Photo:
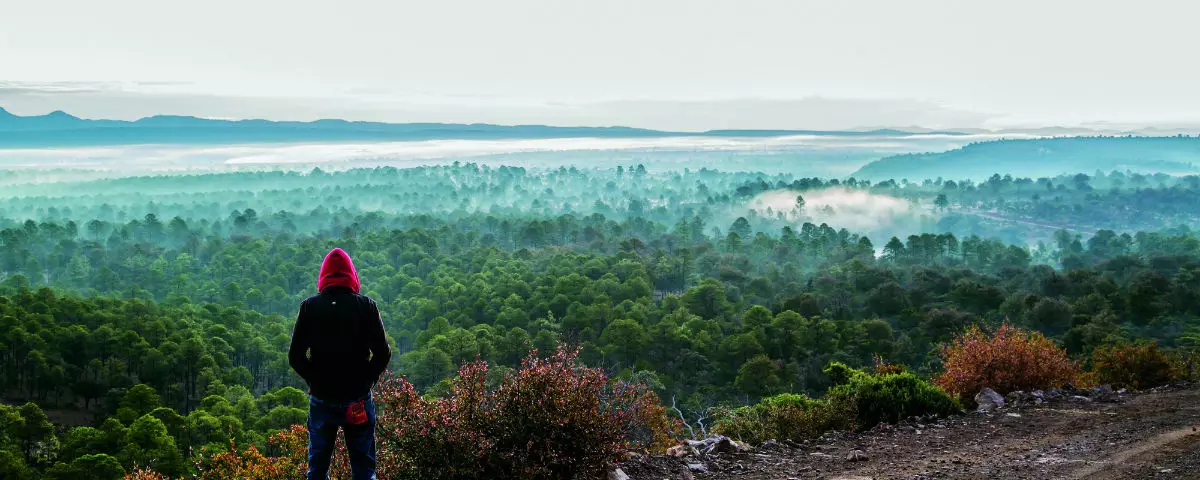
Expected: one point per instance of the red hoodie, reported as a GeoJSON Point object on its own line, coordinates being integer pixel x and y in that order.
{"type": "Point", "coordinates": [338, 271]}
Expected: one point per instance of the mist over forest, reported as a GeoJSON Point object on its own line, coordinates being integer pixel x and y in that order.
{"type": "Point", "coordinates": [148, 291]}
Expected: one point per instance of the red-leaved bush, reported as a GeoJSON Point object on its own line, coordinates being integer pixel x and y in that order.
{"type": "Point", "coordinates": [552, 419]}
{"type": "Point", "coordinates": [1007, 360]}
{"type": "Point", "coordinates": [144, 474]}
{"type": "Point", "coordinates": [1136, 366]}
{"type": "Point", "coordinates": [882, 367]}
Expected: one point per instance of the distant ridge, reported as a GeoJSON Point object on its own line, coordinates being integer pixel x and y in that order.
{"type": "Point", "coordinates": [60, 129]}
{"type": "Point", "coordinates": [1044, 157]}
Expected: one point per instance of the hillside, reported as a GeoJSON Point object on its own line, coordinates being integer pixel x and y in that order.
{"type": "Point", "coordinates": [1043, 157]}
{"type": "Point", "coordinates": [59, 128]}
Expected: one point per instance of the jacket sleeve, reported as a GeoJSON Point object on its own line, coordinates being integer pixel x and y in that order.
{"type": "Point", "coordinates": [381, 353]}
{"type": "Point", "coordinates": [298, 351]}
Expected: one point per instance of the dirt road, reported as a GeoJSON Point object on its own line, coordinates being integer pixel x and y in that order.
{"type": "Point", "coordinates": [1150, 435]}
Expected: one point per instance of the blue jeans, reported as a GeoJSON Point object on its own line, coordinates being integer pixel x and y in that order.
{"type": "Point", "coordinates": [324, 419]}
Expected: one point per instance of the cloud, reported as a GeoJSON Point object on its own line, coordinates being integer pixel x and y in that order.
{"type": "Point", "coordinates": [855, 210]}
{"type": "Point", "coordinates": [168, 157]}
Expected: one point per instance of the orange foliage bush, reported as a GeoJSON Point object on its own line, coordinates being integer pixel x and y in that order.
{"type": "Point", "coordinates": [552, 419]}
{"type": "Point", "coordinates": [884, 368]}
{"type": "Point", "coordinates": [144, 474]}
{"type": "Point", "coordinates": [288, 462]}
{"type": "Point", "coordinates": [1007, 360]}
{"type": "Point", "coordinates": [1137, 366]}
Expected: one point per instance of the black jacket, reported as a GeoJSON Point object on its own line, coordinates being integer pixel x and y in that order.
{"type": "Point", "coordinates": [338, 345]}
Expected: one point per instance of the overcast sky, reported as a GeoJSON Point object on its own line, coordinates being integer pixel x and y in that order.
{"type": "Point", "coordinates": [672, 64]}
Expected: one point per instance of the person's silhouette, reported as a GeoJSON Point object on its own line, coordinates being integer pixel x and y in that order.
{"type": "Point", "coordinates": [340, 349]}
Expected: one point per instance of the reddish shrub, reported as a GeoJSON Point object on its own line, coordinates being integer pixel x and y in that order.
{"type": "Point", "coordinates": [1009, 359]}
{"type": "Point", "coordinates": [289, 462]}
{"type": "Point", "coordinates": [556, 419]}
{"type": "Point", "coordinates": [1137, 366]}
{"type": "Point", "coordinates": [552, 419]}
{"type": "Point", "coordinates": [884, 368]}
{"type": "Point", "coordinates": [143, 474]}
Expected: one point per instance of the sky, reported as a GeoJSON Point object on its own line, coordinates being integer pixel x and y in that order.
{"type": "Point", "coordinates": [667, 64]}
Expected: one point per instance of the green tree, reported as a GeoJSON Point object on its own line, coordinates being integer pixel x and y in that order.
{"type": "Point", "coordinates": [33, 431]}
{"type": "Point", "coordinates": [149, 445]}
{"type": "Point", "coordinates": [624, 341]}
{"type": "Point", "coordinates": [759, 377]}
{"type": "Point", "coordinates": [87, 467]}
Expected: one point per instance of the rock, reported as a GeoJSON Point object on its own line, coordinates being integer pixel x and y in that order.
{"type": "Point", "coordinates": [856, 456]}
{"type": "Point", "coordinates": [1104, 393]}
{"type": "Point", "coordinates": [719, 444]}
{"type": "Point", "coordinates": [1021, 397]}
{"type": "Point", "coordinates": [697, 467]}
{"type": "Point", "coordinates": [681, 451]}
{"type": "Point", "coordinates": [1079, 399]}
{"type": "Point", "coordinates": [617, 474]}
{"type": "Point", "coordinates": [724, 445]}
{"type": "Point", "coordinates": [988, 400]}
{"type": "Point", "coordinates": [631, 455]}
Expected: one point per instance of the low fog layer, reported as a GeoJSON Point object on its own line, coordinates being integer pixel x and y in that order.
{"type": "Point", "coordinates": [335, 155]}
{"type": "Point", "coordinates": [878, 216]}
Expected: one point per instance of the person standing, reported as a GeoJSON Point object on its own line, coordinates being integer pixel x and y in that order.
{"type": "Point", "coordinates": [339, 348]}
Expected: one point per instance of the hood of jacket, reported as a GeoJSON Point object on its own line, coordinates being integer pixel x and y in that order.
{"type": "Point", "coordinates": [338, 271]}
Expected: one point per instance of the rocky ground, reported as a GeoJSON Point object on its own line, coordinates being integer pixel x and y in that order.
{"type": "Point", "coordinates": [1134, 436]}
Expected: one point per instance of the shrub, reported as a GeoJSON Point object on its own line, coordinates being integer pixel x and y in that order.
{"type": "Point", "coordinates": [290, 461]}
{"type": "Point", "coordinates": [552, 419]}
{"type": "Point", "coordinates": [785, 416]}
{"type": "Point", "coordinates": [884, 368]}
{"type": "Point", "coordinates": [145, 474]}
{"type": "Point", "coordinates": [1007, 360]}
{"type": "Point", "coordinates": [1183, 364]}
{"type": "Point", "coordinates": [1137, 366]}
{"type": "Point", "coordinates": [857, 400]}
{"type": "Point", "coordinates": [889, 397]}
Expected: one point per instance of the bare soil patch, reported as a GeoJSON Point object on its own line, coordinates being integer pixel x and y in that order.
{"type": "Point", "coordinates": [1147, 435]}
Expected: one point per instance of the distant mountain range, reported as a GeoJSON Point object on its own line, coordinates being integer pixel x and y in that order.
{"type": "Point", "coordinates": [60, 129]}
{"type": "Point", "coordinates": [1043, 157]}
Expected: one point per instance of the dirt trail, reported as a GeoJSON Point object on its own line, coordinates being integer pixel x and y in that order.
{"type": "Point", "coordinates": [1148, 449]}
{"type": "Point", "coordinates": [1150, 435]}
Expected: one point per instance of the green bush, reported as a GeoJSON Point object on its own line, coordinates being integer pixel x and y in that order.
{"type": "Point", "coordinates": [888, 398]}
{"type": "Point", "coordinates": [857, 400]}
{"type": "Point", "coordinates": [1137, 366]}
{"type": "Point", "coordinates": [785, 416]}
